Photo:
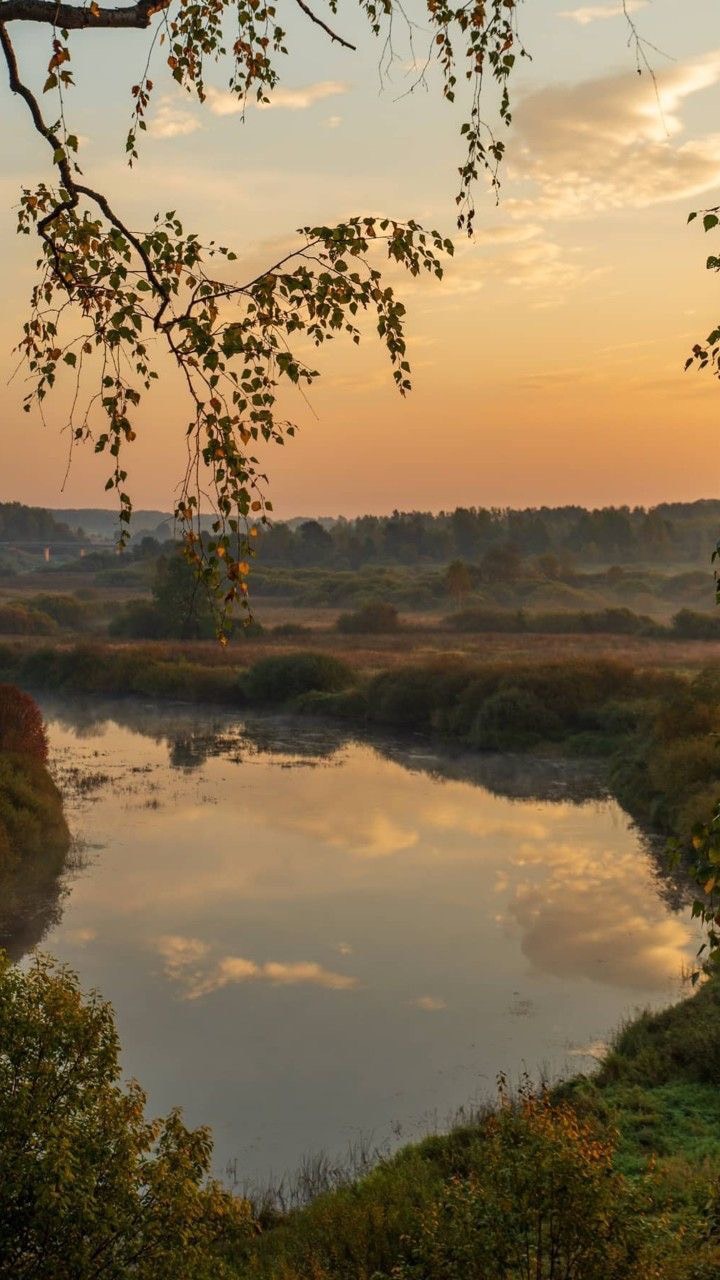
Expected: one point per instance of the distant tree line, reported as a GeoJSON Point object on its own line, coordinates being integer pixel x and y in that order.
{"type": "Point", "coordinates": [500, 538]}
{"type": "Point", "coordinates": [33, 524]}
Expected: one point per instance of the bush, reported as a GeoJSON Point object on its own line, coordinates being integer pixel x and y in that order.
{"type": "Point", "coordinates": [416, 697]}
{"type": "Point", "coordinates": [542, 1204]}
{"type": "Point", "coordinates": [21, 725]}
{"type": "Point", "coordinates": [91, 1187]}
{"type": "Point", "coordinates": [489, 620]}
{"type": "Point", "coordinates": [512, 718]}
{"type": "Point", "coordinates": [689, 625]}
{"type": "Point", "coordinates": [138, 620]}
{"type": "Point", "coordinates": [67, 611]}
{"type": "Point", "coordinates": [377, 617]}
{"type": "Point", "coordinates": [19, 620]}
{"type": "Point", "coordinates": [679, 1043]}
{"type": "Point", "coordinates": [34, 842]}
{"type": "Point", "coordinates": [619, 622]}
{"type": "Point", "coordinates": [285, 676]}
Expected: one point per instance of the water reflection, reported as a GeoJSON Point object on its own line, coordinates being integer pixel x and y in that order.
{"type": "Point", "coordinates": [306, 936]}
{"type": "Point", "coordinates": [31, 893]}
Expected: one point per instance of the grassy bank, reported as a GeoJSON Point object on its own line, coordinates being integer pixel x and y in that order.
{"type": "Point", "coordinates": [627, 1159]}
{"type": "Point", "coordinates": [655, 726]}
{"type": "Point", "coordinates": [34, 837]}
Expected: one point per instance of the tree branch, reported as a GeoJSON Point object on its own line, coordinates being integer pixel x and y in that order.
{"type": "Point", "coordinates": [75, 18]}
{"type": "Point", "coordinates": [73, 188]}
{"type": "Point", "coordinates": [319, 22]}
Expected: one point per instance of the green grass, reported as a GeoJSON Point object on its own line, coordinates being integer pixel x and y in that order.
{"type": "Point", "coordinates": [662, 1106]}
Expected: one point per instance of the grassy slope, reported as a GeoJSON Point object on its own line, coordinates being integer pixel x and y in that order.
{"type": "Point", "coordinates": [658, 1089]}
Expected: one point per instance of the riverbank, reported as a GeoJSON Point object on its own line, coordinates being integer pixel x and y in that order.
{"type": "Point", "coordinates": [34, 836]}
{"type": "Point", "coordinates": [653, 725]}
{"type": "Point", "coordinates": [650, 1117]}
{"type": "Point", "coordinates": [635, 1149]}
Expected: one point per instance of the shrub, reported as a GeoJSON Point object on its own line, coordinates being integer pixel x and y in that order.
{"type": "Point", "coordinates": [512, 717]}
{"type": "Point", "coordinates": [679, 1043]}
{"type": "Point", "coordinates": [376, 617]}
{"type": "Point", "coordinates": [67, 611]}
{"type": "Point", "coordinates": [689, 625]}
{"type": "Point", "coordinates": [19, 620]}
{"type": "Point", "coordinates": [95, 1187]}
{"type": "Point", "coordinates": [281, 677]}
{"type": "Point", "coordinates": [34, 842]}
{"type": "Point", "coordinates": [21, 724]}
{"type": "Point", "coordinates": [30, 810]}
{"type": "Point", "coordinates": [489, 620]}
{"type": "Point", "coordinates": [542, 1204]}
{"type": "Point", "coordinates": [138, 620]}
{"type": "Point", "coordinates": [416, 697]}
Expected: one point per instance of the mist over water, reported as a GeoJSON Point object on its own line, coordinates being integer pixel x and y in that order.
{"type": "Point", "coordinates": [309, 938]}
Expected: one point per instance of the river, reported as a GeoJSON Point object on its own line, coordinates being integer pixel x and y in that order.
{"type": "Point", "coordinates": [313, 941]}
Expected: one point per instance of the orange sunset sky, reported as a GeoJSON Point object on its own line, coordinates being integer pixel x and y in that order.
{"type": "Point", "coordinates": [548, 365]}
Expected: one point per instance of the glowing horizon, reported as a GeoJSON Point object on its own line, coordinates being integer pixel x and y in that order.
{"type": "Point", "coordinates": [548, 366]}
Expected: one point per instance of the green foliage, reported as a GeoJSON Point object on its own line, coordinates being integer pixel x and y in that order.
{"type": "Point", "coordinates": [512, 718]}
{"type": "Point", "coordinates": [681, 1043]}
{"type": "Point", "coordinates": [543, 1204]}
{"type": "Point", "coordinates": [34, 843]}
{"type": "Point", "coordinates": [282, 677]}
{"type": "Point", "coordinates": [137, 620]}
{"type": "Point", "coordinates": [22, 620]}
{"type": "Point", "coordinates": [89, 1186]}
{"type": "Point", "coordinates": [616, 621]}
{"type": "Point", "coordinates": [69, 612]}
{"type": "Point", "coordinates": [374, 618]}
{"type": "Point", "coordinates": [94, 669]}
{"type": "Point", "coordinates": [687, 624]}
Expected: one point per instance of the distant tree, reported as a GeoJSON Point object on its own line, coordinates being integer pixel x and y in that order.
{"type": "Point", "coordinates": [458, 581]}
{"type": "Point", "coordinates": [501, 564]}
{"type": "Point", "coordinates": [90, 1189]}
{"type": "Point", "coordinates": [181, 600]}
{"type": "Point", "coordinates": [549, 566]}
{"type": "Point", "coordinates": [316, 543]}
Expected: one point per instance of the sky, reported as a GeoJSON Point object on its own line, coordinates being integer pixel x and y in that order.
{"type": "Point", "coordinates": [547, 365]}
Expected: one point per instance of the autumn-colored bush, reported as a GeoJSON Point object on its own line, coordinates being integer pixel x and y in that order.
{"type": "Point", "coordinates": [21, 724]}
{"type": "Point", "coordinates": [543, 1204]}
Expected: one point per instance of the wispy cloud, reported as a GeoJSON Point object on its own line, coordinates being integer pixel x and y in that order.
{"type": "Point", "coordinates": [597, 12]}
{"type": "Point", "coordinates": [431, 1004]}
{"type": "Point", "coordinates": [173, 120]}
{"type": "Point", "coordinates": [188, 962]}
{"type": "Point", "coordinates": [224, 103]}
{"type": "Point", "coordinates": [614, 143]}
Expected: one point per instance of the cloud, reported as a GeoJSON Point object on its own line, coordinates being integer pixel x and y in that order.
{"type": "Point", "coordinates": [531, 262]}
{"type": "Point", "coordinates": [172, 120]}
{"type": "Point", "coordinates": [187, 961]}
{"type": "Point", "coordinates": [431, 1004]}
{"type": "Point", "coordinates": [596, 12]}
{"type": "Point", "coordinates": [584, 913]}
{"type": "Point", "coordinates": [613, 143]}
{"type": "Point", "coordinates": [224, 103]}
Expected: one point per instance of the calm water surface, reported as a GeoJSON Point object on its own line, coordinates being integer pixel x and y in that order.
{"type": "Point", "coordinates": [308, 939]}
